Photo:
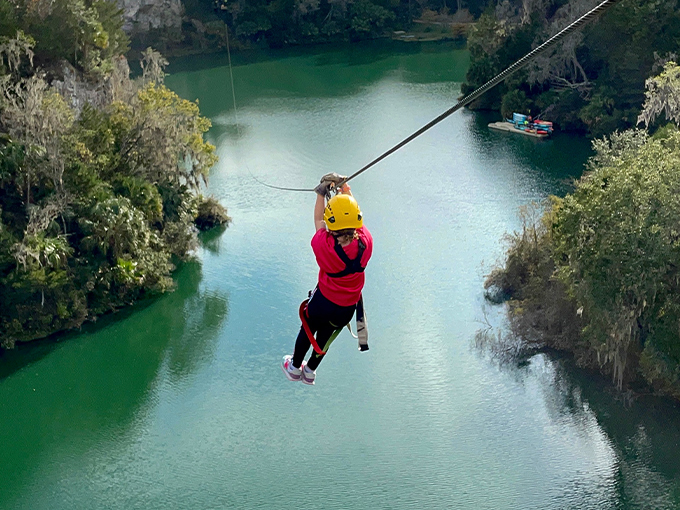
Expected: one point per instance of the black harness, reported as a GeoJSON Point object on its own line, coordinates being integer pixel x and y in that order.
{"type": "Point", "coordinates": [351, 265]}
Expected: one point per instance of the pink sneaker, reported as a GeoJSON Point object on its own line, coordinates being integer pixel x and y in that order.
{"type": "Point", "coordinates": [292, 373]}
{"type": "Point", "coordinates": [307, 375]}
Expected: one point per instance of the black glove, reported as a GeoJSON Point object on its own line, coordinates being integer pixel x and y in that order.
{"type": "Point", "coordinates": [333, 177]}
{"type": "Point", "coordinates": [324, 189]}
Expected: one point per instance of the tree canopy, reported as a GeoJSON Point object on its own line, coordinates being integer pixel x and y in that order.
{"type": "Point", "coordinates": [276, 23]}
{"type": "Point", "coordinates": [86, 33]}
{"type": "Point", "coordinates": [96, 204]}
{"type": "Point", "coordinates": [610, 252]}
{"type": "Point", "coordinates": [592, 81]}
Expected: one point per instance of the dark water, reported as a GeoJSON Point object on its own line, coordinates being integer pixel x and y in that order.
{"type": "Point", "coordinates": [181, 403]}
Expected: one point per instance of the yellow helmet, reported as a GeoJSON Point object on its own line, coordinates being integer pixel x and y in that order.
{"type": "Point", "coordinates": [342, 211]}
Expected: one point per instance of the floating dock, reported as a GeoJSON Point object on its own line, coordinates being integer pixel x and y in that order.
{"type": "Point", "coordinates": [509, 126]}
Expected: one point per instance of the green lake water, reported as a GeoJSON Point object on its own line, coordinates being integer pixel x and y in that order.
{"type": "Point", "coordinates": [181, 404]}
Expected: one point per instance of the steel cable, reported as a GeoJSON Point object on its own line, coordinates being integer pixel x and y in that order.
{"type": "Point", "coordinates": [589, 16]}
{"type": "Point", "coordinates": [576, 25]}
{"type": "Point", "coordinates": [238, 124]}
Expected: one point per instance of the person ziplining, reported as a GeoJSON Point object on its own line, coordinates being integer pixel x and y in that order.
{"type": "Point", "coordinates": [342, 246]}
{"type": "Point", "coordinates": [519, 64]}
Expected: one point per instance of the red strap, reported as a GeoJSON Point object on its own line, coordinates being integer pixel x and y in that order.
{"type": "Point", "coordinates": [310, 336]}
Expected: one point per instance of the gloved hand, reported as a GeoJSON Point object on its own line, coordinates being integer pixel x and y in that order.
{"type": "Point", "coordinates": [333, 177]}
{"type": "Point", "coordinates": [324, 189]}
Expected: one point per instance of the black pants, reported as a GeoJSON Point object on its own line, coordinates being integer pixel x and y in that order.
{"type": "Point", "coordinates": [324, 318]}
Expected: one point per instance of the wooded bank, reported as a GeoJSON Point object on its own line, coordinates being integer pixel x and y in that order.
{"type": "Point", "coordinates": [597, 273]}
{"type": "Point", "coordinates": [100, 175]}
{"type": "Point", "coordinates": [593, 81]}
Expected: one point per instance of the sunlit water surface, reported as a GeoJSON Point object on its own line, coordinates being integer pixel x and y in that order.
{"type": "Point", "coordinates": [181, 403]}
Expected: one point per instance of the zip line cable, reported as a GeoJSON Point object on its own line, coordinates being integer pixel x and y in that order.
{"type": "Point", "coordinates": [589, 16]}
{"type": "Point", "coordinates": [576, 25]}
{"type": "Point", "coordinates": [238, 125]}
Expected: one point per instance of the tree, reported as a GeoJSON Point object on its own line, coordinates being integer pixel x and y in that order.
{"type": "Point", "coordinates": [39, 119]}
{"type": "Point", "coordinates": [593, 80]}
{"type": "Point", "coordinates": [561, 66]}
{"type": "Point", "coordinates": [94, 205]}
{"type": "Point", "coordinates": [368, 19]}
{"type": "Point", "coordinates": [12, 50]}
{"type": "Point", "coordinates": [606, 256]}
{"type": "Point", "coordinates": [88, 33]}
{"type": "Point", "coordinates": [663, 95]}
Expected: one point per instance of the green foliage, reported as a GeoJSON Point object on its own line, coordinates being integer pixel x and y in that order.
{"type": "Point", "coordinates": [277, 23]}
{"type": "Point", "coordinates": [605, 258]}
{"type": "Point", "coordinates": [8, 19]}
{"type": "Point", "coordinates": [661, 372]}
{"type": "Point", "coordinates": [617, 241]}
{"type": "Point", "coordinates": [494, 46]}
{"type": "Point", "coordinates": [167, 131]}
{"type": "Point", "coordinates": [487, 36]}
{"type": "Point", "coordinates": [515, 101]}
{"type": "Point", "coordinates": [13, 49]}
{"type": "Point", "coordinates": [94, 208]}
{"type": "Point", "coordinates": [87, 33]}
{"type": "Point", "coordinates": [663, 95]}
{"type": "Point", "coordinates": [142, 195]}
{"type": "Point", "coordinates": [210, 213]}
{"type": "Point", "coordinates": [368, 19]}
{"type": "Point", "coordinates": [115, 228]}
{"type": "Point", "coordinates": [540, 310]}
{"type": "Point", "coordinates": [592, 81]}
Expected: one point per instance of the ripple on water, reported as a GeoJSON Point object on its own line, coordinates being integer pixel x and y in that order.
{"type": "Point", "coordinates": [182, 404]}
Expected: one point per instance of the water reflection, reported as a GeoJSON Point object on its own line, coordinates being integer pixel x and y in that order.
{"type": "Point", "coordinates": [204, 314]}
{"type": "Point", "coordinates": [363, 53]}
{"type": "Point", "coordinates": [93, 389]}
{"type": "Point", "coordinates": [221, 131]}
{"type": "Point", "coordinates": [645, 436]}
{"type": "Point", "coordinates": [326, 72]}
{"type": "Point", "coordinates": [641, 436]}
{"type": "Point", "coordinates": [211, 240]}
{"type": "Point", "coordinates": [542, 162]}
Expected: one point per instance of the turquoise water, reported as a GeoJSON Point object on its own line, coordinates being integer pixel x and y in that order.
{"type": "Point", "coordinates": [181, 403]}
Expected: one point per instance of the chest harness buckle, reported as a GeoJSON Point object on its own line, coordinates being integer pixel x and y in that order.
{"type": "Point", "coordinates": [351, 265]}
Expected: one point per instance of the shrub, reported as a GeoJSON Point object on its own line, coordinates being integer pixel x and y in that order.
{"type": "Point", "coordinates": [93, 207]}
{"type": "Point", "coordinates": [211, 214]}
{"type": "Point", "coordinates": [598, 274]}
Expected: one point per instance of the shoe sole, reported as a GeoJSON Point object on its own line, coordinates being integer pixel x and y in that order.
{"type": "Point", "coordinates": [288, 374]}
{"type": "Point", "coordinates": [302, 376]}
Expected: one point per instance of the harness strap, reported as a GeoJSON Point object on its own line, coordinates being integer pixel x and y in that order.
{"type": "Point", "coordinates": [351, 266]}
{"type": "Point", "coordinates": [305, 326]}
